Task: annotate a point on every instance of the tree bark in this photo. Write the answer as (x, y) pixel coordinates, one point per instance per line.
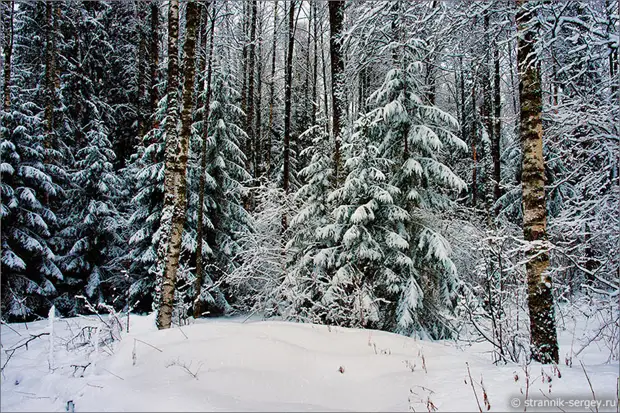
(244, 71)
(272, 83)
(287, 96)
(203, 177)
(8, 52)
(173, 214)
(154, 62)
(50, 72)
(315, 65)
(141, 69)
(497, 128)
(544, 345)
(258, 148)
(249, 114)
(336, 17)
(474, 152)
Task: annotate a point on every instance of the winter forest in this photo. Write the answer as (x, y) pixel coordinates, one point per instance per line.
(436, 169)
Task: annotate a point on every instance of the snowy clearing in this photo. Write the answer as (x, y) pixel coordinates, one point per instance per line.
(229, 365)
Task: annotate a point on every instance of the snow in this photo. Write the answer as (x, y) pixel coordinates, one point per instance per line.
(254, 365)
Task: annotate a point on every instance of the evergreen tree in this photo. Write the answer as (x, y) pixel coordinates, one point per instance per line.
(305, 280)
(29, 270)
(415, 135)
(145, 173)
(29, 267)
(91, 234)
(225, 218)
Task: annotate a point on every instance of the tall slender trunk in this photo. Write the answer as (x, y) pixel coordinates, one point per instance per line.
(497, 127)
(154, 62)
(544, 344)
(287, 96)
(141, 69)
(50, 72)
(259, 99)
(324, 72)
(173, 214)
(272, 82)
(307, 106)
(474, 139)
(244, 71)
(463, 111)
(203, 175)
(249, 119)
(487, 95)
(8, 52)
(315, 65)
(336, 17)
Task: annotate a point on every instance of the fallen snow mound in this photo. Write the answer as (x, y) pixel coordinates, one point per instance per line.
(229, 365)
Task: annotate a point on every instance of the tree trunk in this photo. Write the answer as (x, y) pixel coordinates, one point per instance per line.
(487, 99)
(154, 61)
(50, 72)
(287, 96)
(544, 343)
(259, 100)
(336, 17)
(474, 152)
(497, 128)
(272, 83)
(141, 68)
(324, 70)
(173, 214)
(249, 114)
(244, 72)
(8, 51)
(203, 177)
(315, 65)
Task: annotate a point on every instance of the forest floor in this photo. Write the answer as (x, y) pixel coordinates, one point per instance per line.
(252, 365)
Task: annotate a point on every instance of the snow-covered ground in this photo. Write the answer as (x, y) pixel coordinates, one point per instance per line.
(231, 365)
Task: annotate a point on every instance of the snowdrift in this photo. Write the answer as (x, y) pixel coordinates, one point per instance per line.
(231, 365)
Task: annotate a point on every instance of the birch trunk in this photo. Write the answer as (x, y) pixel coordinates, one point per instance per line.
(544, 345)
(173, 215)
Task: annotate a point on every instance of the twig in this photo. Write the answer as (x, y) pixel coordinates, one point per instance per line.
(250, 316)
(11, 351)
(77, 366)
(182, 332)
(32, 395)
(150, 345)
(7, 324)
(185, 367)
(471, 381)
(113, 374)
(589, 383)
(548, 398)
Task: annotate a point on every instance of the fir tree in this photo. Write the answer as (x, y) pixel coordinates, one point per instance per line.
(91, 235)
(29, 270)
